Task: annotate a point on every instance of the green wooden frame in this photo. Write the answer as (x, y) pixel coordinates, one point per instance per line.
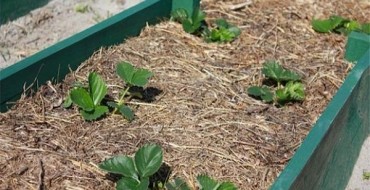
(327, 156)
(53, 63)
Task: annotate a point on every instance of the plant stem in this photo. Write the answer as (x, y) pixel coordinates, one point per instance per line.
(121, 100)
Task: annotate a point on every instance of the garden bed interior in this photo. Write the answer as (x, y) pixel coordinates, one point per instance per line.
(196, 109)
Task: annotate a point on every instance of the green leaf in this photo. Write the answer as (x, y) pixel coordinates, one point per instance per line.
(96, 113)
(123, 165)
(326, 25)
(188, 26)
(282, 96)
(97, 87)
(125, 71)
(148, 160)
(81, 97)
(198, 16)
(140, 77)
(126, 112)
(132, 184)
(222, 23)
(67, 101)
(227, 186)
(112, 104)
(365, 28)
(179, 15)
(262, 92)
(207, 183)
(295, 90)
(177, 184)
(274, 71)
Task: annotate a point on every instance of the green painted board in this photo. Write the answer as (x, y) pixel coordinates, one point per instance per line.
(54, 62)
(357, 46)
(327, 156)
(12, 9)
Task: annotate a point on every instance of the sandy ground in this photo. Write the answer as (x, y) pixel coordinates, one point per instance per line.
(357, 181)
(54, 22)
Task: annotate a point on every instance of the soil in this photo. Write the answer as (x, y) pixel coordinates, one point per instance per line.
(49, 24)
(196, 109)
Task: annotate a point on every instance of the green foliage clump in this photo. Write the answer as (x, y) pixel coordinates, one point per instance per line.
(289, 88)
(339, 25)
(196, 24)
(89, 99)
(136, 172)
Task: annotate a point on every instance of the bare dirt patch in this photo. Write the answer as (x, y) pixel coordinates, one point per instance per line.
(202, 118)
(51, 23)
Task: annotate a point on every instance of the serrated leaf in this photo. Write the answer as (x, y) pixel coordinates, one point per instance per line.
(177, 184)
(126, 112)
(125, 71)
(262, 92)
(112, 104)
(227, 186)
(148, 160)
(81, 97)
(179, 15)
(96, 113)
(207, 183)
(97, 87)
(123, 165)
(132, 184)
(275, 71)
(282, 96)
(140, 77)
(295, 90)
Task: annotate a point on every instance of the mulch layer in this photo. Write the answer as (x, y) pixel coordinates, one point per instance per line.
(197, 109)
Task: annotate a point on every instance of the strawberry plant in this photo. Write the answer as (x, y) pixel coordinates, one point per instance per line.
(132, 77)
(339, 25)
(224, 32)
(195, 24)
(191, 23)
(88, 100)
(135, 170)
(289, 88)
(204, 182)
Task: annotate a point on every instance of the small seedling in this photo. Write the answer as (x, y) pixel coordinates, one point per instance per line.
(205, 183)
(339, 25)
(288, 86)
(137, 170)
(132, 77)
(192, 24)
(366, 175)
(224, 32)
(195, 24)
(89, 100)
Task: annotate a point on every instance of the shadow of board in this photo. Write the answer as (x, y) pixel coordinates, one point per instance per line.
(12, 9)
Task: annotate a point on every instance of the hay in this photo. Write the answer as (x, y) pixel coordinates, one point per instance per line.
(202, 117)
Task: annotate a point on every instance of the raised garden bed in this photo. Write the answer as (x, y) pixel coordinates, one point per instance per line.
(199, 113)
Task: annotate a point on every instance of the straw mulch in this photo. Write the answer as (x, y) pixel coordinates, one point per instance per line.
(200, 113)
